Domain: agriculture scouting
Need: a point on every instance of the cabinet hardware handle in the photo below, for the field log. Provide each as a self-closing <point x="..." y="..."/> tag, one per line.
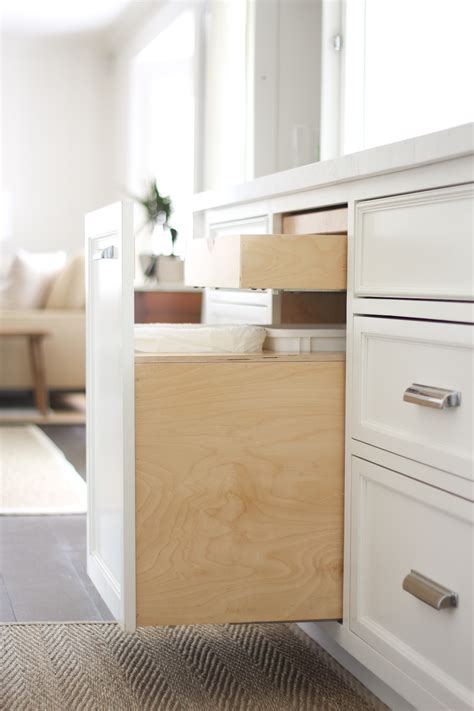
<point x="106" y="253"/>
<point x="425" y="395"/>
<point x="429" y="592"/>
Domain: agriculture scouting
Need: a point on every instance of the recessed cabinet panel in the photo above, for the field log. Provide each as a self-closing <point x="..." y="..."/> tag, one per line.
<point x="417" y="245"/>
<point x="318" y="221"/>
<point x="269" y="262"/>
<point x="411" y="579"/>
<point x="239" y="488"/>
<point x="413" y="390"/>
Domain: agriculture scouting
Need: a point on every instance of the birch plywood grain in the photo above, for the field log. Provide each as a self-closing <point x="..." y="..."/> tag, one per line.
<point x="270" y="262"/>
<point x="239" y="491"/>
<point x="327" y="221"/>
<point x="294" y="262"/>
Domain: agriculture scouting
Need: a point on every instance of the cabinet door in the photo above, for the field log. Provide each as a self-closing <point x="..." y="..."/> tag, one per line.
<point x="110" y="398"/>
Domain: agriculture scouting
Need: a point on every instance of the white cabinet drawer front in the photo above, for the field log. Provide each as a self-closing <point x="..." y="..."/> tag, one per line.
<point x="418" y="245"/>
<point x="400" y="525"/>
<point x="391" y="355"/>
<point x="238" y="306"/>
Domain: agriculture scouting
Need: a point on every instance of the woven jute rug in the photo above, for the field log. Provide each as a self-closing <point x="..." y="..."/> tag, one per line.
<point x="95" y="666"/>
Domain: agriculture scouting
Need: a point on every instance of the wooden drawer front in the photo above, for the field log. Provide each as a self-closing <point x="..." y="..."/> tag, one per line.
<point x="269" y="262"/>
<point x="319" y="221"/>
<point x="418" y="245"/>
<point x="400" y="525"/>
<point x="389" y="356"/>
<point x="239" y="491"/>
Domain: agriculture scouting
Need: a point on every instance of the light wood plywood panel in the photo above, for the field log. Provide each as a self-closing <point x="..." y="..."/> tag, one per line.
<point x="262" y="357"/>
<point x="269" y="262"/>
<point x="239" y="491"/>
<point x="326" y="221"/>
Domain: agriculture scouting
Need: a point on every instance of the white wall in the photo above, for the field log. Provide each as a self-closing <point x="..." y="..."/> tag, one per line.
<point x="56" y="138"/>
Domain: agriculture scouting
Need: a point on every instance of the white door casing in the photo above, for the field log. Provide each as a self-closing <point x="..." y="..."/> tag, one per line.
<point x="110" y="408"/>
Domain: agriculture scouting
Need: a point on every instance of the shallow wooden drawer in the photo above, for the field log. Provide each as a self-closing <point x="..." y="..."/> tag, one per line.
<point x="239" y="488"/>
<point x="269" y="262"/>
<point x="391" y="355"/>
<point x="330" y="221"/>
<point x="401" y="525"/>
<point x="417" y="245"/>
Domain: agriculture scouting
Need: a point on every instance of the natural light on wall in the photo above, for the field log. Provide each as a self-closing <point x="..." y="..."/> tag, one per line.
<point x="162" y="120"/>
<point x="415" y="75"/>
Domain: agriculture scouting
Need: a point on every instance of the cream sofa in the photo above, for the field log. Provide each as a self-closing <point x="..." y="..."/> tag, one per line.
<point x="63" y="317"/>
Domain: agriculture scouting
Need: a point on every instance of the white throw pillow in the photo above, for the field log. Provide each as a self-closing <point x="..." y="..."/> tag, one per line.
<point x="29" y="280"/>
<point x="68" y="289"/>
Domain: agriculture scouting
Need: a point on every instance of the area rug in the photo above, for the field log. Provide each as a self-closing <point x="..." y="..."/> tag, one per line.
<point x="95" y="666"/>
<point x="35" y="476"/>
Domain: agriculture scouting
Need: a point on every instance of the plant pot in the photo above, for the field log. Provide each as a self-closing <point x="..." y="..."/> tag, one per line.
<point x="165" y="269"/>
<point x="170" y="269"/>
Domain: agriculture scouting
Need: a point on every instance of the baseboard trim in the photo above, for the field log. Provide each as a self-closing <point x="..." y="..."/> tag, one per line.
<point x="331" y="636"/>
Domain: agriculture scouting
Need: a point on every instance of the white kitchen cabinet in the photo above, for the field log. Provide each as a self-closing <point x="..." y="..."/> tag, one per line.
<point x="412" y="390"/>
<point x="417" y="245"/>
<point x="408" y="467"/>
<point x="402" y="529"/>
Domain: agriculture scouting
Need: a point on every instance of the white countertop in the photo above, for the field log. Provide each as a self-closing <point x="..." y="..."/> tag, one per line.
<point x="431" y="148"/>
<point x="164" y="286"/>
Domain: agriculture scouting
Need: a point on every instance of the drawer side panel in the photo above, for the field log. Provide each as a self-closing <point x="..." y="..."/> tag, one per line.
<point x="239" y="486"/>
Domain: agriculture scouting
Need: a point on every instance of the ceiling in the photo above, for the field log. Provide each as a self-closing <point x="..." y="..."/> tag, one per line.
<point x="60" y="16"/>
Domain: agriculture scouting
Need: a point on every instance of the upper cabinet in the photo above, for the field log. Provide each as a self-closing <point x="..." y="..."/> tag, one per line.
<point x="310" y="261"/>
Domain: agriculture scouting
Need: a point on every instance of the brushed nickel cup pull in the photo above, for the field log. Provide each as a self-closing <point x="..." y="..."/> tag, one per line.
<point x="428" y="591"/>
<point x="105" y="253"/>
<point x="438" y="398"/>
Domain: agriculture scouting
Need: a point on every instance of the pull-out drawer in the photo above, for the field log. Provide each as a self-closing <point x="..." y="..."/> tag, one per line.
<point x="401" y="369"/>
<point x="411" y="579"/>
<point x="326" y="221"/>
<point x="239" y="488"/>
<point x="215" y="482"/>
<point x="245" y="261"/>
<point x="418" y="245"/>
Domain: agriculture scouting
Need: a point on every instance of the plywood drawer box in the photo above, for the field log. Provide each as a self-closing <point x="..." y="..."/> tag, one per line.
<point x="391" y="356"/>
<point x="418" y="245"/>
<point x="215" y="482"/>
<point x="401" y="525"/>
<point x="326" y="221"/>
<point x="239" y="488"/>
<point x="269" y="262"/>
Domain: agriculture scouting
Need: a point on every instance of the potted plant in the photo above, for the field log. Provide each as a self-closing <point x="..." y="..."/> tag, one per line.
<point x="158" y="210"/>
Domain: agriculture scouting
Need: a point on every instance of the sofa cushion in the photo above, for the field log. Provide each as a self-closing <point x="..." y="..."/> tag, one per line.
<point x="30" y="278"/>
<point x="68" y="289"/>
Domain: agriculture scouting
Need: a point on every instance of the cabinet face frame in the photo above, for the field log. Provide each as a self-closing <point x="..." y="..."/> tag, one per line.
<point x="110" y="408"/>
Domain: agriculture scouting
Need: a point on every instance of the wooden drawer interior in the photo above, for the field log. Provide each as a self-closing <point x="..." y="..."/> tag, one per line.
<point x="326" y="221"/>
<point x="310" y="261"/>
<point x="239" y="488"/>
<point x="314" y="307"/>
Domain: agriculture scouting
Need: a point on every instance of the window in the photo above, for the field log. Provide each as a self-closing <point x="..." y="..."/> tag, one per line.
<point x="162" y="122"/>
<point x="408" y="69"/>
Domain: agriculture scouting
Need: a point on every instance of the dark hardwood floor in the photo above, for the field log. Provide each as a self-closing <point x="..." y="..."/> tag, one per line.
<point x="43" y="574"/>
